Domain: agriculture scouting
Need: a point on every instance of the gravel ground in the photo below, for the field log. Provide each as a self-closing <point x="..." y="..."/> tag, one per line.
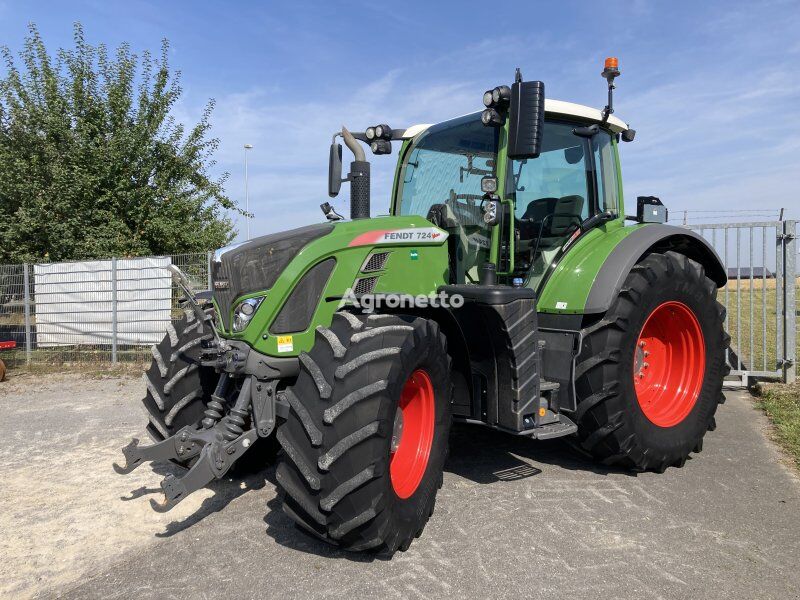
<point x="515" y="518"/>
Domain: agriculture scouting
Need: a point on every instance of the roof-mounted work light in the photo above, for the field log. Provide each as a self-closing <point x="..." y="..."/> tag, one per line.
<point x="496" y="102"/>
<point x="381" y="147"/>
<point x="379" y="138"/>
<point x="383" y="132"/>
<point x="492" y="118"/>
<point x="497" y="98"/>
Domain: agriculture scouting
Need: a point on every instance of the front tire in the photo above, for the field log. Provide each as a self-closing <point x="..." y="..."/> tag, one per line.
<point x="178" y="388"/>
<point x="365" y="441"/>
<point x="177" y="385"/>
<point x="649" y="376"/>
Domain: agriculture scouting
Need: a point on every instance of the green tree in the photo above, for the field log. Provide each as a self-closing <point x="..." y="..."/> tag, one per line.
<point x="92" y="162"/>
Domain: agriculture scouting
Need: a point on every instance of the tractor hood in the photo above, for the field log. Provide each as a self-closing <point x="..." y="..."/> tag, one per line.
<point x="300" y="276"/>
<point x="255" y="265"/>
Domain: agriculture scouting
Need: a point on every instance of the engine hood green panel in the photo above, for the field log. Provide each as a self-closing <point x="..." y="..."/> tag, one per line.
<point x="417" y="263"/>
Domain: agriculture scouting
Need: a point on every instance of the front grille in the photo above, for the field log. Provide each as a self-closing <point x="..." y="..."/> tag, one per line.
<point x="364" y="285"/>
<point x="256" y="265"/>
<point x="375" y="262"/>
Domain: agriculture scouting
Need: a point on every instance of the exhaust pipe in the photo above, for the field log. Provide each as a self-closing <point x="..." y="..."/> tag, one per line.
<point x="359" y="178"/>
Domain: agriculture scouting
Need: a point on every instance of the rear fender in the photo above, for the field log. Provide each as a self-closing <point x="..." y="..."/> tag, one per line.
<point x="642" y="241"/>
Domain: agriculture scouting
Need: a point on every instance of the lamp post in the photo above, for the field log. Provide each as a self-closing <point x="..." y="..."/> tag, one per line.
<point x="246" y="191"/>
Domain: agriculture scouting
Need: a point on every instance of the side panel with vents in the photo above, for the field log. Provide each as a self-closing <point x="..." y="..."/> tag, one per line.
<point x="364" y="285"/>
<point x="375" y="262"/>
<point x="296" y="313"/>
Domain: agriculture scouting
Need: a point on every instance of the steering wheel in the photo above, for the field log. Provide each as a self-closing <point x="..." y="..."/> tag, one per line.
<point x="468" y="213"/>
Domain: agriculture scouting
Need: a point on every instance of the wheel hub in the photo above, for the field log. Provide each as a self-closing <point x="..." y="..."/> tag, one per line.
<point x="669" y="364"/>
<point x="412" y="434"/>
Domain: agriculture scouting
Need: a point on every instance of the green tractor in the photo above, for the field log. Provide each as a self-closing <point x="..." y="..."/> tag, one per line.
<point x="504" y="290"/>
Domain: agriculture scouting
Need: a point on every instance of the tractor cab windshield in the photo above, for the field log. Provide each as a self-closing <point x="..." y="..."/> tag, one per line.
<point x="440" y="179"/>
<point x="573" y="178"/>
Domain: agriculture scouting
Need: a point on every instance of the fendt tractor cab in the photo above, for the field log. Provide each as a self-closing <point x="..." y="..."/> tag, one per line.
<point x="504" y="289"/>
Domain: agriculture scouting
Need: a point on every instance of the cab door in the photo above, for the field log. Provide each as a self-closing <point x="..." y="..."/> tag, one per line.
<point x="552" y="195"/>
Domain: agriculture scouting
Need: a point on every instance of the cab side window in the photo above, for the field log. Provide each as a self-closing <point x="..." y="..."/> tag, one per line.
<point x="605" y="160"/>
<point x="556" y="182"/>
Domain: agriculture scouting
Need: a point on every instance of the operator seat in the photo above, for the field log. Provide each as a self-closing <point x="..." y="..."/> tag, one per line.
<point x="567" y="213"/>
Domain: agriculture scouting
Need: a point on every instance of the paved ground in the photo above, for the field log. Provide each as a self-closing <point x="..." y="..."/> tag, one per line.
<point x="515" y="518"/>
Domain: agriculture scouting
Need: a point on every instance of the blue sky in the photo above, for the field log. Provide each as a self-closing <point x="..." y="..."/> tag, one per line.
<point x="712" y="88"/>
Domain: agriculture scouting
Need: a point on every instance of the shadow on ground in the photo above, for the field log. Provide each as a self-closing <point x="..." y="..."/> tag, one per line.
<point x="479" y="454"/>
<point x="484" y="455"/>
<point x="225" y="491"/>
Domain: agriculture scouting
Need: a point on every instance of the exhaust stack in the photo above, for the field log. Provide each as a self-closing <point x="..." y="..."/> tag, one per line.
<point x="359" y="178"/>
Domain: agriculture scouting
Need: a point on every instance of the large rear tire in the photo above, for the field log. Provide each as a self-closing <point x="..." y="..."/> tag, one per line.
<point x="649" y="377"/>
<point x="366" y="437"/>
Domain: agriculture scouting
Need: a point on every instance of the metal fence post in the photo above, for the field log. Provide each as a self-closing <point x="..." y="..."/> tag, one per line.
<point x="26" y="281"/>
<point x="209" y="258"/>
<point x="114" y="309"/>
<point x="790" y="303"/>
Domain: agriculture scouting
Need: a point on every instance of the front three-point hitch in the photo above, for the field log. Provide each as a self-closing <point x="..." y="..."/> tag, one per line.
<point x="219" y="441"/>
<point x="229" y="428"/>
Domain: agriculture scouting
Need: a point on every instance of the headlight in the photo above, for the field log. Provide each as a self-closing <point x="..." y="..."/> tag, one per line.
<point x="244" y="311"/>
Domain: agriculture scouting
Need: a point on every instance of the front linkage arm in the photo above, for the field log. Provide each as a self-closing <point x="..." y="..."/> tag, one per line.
<point x="219" y="446"/>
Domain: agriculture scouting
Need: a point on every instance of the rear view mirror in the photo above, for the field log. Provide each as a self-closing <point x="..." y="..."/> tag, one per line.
<point x="526" y="119"/>
<point x="335" y="170"/>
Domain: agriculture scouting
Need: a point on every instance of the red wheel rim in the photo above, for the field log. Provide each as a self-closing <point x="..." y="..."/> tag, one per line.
<point x="413" y="434"/>
<point x="668" y="364"/>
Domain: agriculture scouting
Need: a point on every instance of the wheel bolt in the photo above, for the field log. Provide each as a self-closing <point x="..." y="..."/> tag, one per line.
<point x="645" y="365"/>
<point x="646" y="353"/>
<point x="641" y="344"/>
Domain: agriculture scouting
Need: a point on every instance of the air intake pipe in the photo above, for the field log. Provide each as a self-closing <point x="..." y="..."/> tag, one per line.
<point x="359" y="178"/>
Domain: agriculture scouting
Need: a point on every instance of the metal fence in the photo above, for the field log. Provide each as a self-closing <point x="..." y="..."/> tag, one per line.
<point x="760" y="296"/>
<point x="113" y="310"/>
<point x="98" y="311"/>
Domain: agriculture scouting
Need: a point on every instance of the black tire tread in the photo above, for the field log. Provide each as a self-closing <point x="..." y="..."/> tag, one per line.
<point x="603" y="430"/>
<point x="342" y="510"/>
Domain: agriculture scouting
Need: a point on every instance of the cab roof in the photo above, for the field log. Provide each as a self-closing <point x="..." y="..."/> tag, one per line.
<point x="551" y="107"/>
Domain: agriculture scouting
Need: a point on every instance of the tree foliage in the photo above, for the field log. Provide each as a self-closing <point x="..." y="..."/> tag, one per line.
<point x="93" y="163"/>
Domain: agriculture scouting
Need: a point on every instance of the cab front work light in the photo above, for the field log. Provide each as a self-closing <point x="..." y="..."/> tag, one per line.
<point x="244" y="311"/>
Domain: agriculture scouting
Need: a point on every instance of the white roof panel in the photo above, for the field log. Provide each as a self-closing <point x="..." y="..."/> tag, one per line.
<point x="551" y="107"/>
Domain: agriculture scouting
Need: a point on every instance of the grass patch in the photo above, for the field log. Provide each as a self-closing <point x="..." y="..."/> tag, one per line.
<point x="782" y="405"/>
<point x="87" y="370"/>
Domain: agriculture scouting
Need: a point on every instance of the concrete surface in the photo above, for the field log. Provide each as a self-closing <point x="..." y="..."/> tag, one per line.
<point x="515" y="518"/>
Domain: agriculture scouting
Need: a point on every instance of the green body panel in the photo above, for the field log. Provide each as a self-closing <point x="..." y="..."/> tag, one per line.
<point x="411" y="268"/>
<point x="567" y="288"/>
